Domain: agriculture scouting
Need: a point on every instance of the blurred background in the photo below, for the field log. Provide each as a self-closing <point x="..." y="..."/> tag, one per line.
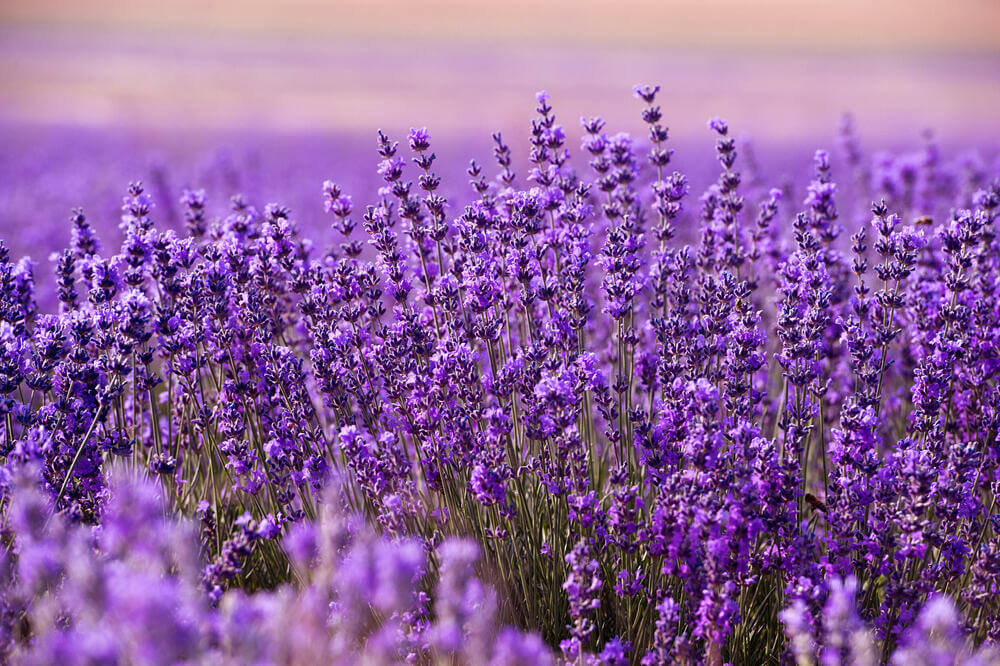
<point x="781" y="69"/>
<point x="275" y="96"/>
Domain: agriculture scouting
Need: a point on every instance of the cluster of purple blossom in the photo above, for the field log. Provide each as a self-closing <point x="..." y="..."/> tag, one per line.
<point x="640" y="427"/>
<point x="131" y="592"/>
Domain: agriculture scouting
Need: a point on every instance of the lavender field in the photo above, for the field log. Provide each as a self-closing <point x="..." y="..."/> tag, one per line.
<point x="585" y="391"/>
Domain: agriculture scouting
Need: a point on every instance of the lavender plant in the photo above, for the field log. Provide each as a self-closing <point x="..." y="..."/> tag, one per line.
<point x="575" y="414"/>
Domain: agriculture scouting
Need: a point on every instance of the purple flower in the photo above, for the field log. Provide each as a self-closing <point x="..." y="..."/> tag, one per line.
<point x="639" y="426"/>
<point x="719" y="126"/>
<point x="419" y="139"/>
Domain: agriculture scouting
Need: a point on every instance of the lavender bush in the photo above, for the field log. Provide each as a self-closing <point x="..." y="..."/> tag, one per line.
<point x="577" y="415"/>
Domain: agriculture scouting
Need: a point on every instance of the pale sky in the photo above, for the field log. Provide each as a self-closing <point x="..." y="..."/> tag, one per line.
<point x="778" y="68"/>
